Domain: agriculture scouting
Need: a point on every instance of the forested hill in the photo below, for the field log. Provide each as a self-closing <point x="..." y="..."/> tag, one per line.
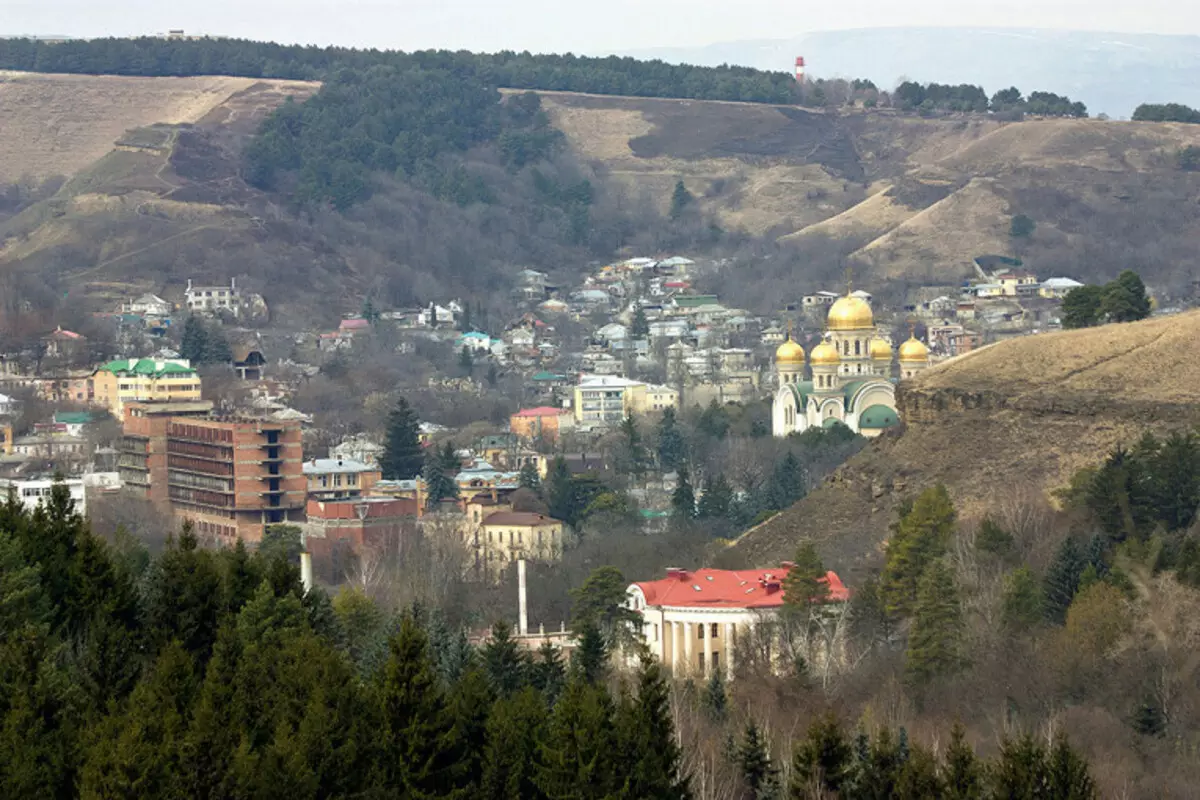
<point x="154" y="57"/>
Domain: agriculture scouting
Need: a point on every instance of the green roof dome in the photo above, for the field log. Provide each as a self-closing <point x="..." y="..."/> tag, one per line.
<point x="878" y="417"/>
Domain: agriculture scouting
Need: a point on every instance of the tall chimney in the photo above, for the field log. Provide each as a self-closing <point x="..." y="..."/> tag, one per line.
<point x="522" y="613"/>
<point x="306" y="578"/>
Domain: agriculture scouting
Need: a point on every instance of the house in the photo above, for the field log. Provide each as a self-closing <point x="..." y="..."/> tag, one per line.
<point x="354" y="326"/>
<point x="51" y="445"/>
<point x="590" y="297"/>
<point x="148" y="305"/>
<point x="475" y="342"/>
<point x="73" y="422"/>
<point x="669" y="329"/>
<point x="603" y="400"/>
<point x="248" y="362"/>
<point x="213" y="299"/>
<point x="8" y="406"/>
<point x="819" y="300"/>
<point x="437" y="316"/>
<point x="612" y="332"/>
<point x="544" y="422"/>
<point x="339" y="478"/>
<point x="1058" y="287"/>
<point x="358" y="448"/>
<point x="554" y="306"/>
<point x="1011" y="282"/>
<point x="692" y="621"/>
<point x="691" y="303"/>
<point x="148" y="380"/>
<point x="65" y="345"/>
<point x="506" y="536"/>
<point x="32" y="491"/>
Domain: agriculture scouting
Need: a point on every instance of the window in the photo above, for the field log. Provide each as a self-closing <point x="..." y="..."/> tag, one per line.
<point x="700" y="633"/>
<point x="714" y="632"/>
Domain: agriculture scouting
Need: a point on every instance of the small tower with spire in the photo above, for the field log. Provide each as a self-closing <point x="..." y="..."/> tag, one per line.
<point x="914" y="355"/>
<point x="789" y="361"/>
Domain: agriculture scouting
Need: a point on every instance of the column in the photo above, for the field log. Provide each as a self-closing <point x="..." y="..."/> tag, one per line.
<point x="727" y="649"/>
<point x="687" y="647"/>
<point x="708" y="632"/>
<point x="676" y="649"/>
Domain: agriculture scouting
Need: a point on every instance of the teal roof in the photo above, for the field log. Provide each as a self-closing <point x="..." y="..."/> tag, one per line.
<point x="878" y="417"/>
<point x="696" y="300"/>
<point x="548" y="376"/>
<point x="72" y="417"/>
<point x="830" y="422"/>
<point x="801" y="390"/>
<point x="145" y="366"/>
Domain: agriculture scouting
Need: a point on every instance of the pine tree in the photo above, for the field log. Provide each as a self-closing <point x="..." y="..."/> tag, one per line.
<point x="717" y="500"/>
<point x="183" y="598"/>
<point x="417" y="735"/>
<point x="216" y="349"/>
<point x="1022" y="607"/>
<point x="935" y="642"/>
<point x="963" y="773"/>
<point x="465" y="361"/>
<point x="194" y="344"/>
<point x="919" y="538"/>
<point x="640" y="328"/>
<point x="1020" y="772"/>
<point x="575" y="757"/>
<point x="648" y="735"/>
<point x="683" y="499"/>
<point x="1062" y="580"/>
<point x="716" y="700"/>
<point x="590" y="659"/>
<point x="1067" y="773"/>
<point x="468" y="704"/>
<point x="529" y="478"/>
<point x="560" y="491"/>
<point x="402" y="458"/>
<point x="681" y="198"/>
<point x="633" y="453"/>
<point x="547" y="674"/>
<point x="504" y="661"/>
<point x="600" y="603"/>
<point x="822" y="759"/>
<point x="753" y="759"/>
<point x="1125" y="299"/>
<point x="514" y="728"/>
<point x="994" y="540"/>
<point x="786" y="485"/>
<point x="439" y="483"/>
<point x="671" y="448"/>
<point x="492" y="377"/>
<point x="806" y="584"/>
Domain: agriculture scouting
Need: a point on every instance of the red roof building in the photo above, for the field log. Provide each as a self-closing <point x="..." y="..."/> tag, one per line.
<point x="692" y="619"/>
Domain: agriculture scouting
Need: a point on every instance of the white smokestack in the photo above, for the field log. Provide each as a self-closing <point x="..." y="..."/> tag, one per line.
<point x="306" y="571"/>
<point x="522" y="613"/>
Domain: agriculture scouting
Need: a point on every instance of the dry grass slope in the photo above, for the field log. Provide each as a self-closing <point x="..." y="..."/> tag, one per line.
<point x="1018" y="417"/>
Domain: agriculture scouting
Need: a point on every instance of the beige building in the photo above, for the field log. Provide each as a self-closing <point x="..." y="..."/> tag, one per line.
<point x="506" y="536"/>
<point x="144" y="380"/>
<point x="604" y="400"/>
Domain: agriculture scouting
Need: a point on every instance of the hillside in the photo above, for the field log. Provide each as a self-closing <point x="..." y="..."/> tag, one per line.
<point x="1015" y="418"/>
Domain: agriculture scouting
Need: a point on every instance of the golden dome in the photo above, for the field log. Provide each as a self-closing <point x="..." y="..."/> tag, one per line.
<point x="850" y="313"/>
<point x="789" y="353"/>
<point x="824" y="353"/>
<point x="914" y="350"/>
<point x="881" y="349"/>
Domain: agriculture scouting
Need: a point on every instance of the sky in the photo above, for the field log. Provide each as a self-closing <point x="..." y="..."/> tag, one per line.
<point x="559" y="26"/>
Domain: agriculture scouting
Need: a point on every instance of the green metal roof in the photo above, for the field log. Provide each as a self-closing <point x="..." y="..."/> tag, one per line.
<point x="548" y="376"/>
<point x="145" y="366"/>
<point x="72" y="417"/>
<point x="801" y="390"/>
<point x="696" y="300"/>
<point x="878" y="417"/>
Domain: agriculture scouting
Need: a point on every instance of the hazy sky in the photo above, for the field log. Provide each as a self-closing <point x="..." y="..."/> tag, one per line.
<point x="555" y="25"/>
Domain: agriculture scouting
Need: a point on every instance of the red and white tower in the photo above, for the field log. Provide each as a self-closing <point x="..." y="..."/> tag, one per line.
<point x="799" y="69"/>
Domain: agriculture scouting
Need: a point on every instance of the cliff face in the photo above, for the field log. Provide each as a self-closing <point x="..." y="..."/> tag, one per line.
<point x="1017" y="417"/>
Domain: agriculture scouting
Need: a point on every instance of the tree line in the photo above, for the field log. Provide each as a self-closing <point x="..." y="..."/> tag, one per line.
<point x="1166" y="112"/>
<point x="1121" y="300"/>
<point x="913" y="96"/>
<point x="150" y="56"/>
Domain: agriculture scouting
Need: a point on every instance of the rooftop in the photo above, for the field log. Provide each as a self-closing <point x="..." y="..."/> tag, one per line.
<point x="722" y="588"/>
<point x="519" y="518"/>
<point x="147" y="366"/>
<point x="540" y="411"/>
<point x="322" y="465"/>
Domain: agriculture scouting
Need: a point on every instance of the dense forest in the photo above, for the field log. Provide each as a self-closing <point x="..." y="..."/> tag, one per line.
<point x="205" y="673"/>
<point x="913" y="96"/>
<point x="569" y="73"/>
<point x="1167" y="112"/>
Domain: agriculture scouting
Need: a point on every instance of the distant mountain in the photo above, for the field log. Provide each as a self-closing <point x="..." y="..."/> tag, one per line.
<point x="1111" y="72"/>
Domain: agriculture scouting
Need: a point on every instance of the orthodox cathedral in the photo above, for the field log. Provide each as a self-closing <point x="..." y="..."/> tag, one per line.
<point x="851" y="375"/>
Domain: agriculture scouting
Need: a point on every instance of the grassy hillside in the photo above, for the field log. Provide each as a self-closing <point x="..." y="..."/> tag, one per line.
<point x="1007" y="423"/>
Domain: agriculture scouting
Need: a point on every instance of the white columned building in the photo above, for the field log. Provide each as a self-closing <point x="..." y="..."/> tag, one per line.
<point x="693" y="620"/>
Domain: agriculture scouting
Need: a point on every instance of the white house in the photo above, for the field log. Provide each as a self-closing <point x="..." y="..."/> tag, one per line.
<point x="7" y="405"/>
<point x="692" y="621"/>
<point x="148" y="305"/>
<point x="475" y="341"/>
<point x="211" y="299"/>
<point x="32" y="491"/>
<point x="1058" y="287"/>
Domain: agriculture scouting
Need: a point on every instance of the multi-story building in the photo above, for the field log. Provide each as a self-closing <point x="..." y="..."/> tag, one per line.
<point x="211" y="299"/>
<point x="339" y="478"/>
<point x="544" y="422"/>
<point x="144" y="380"/>
<point x="602" y="400"/>
<point x="506" y="536"/>
<point x="384" y="524"/>
<point x="230" y="476"/>
<point x="692" y="621"/>
<point x="31" y="491"/>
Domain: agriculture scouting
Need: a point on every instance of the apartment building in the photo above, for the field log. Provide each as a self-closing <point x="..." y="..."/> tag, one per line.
<point x="604" y="400"/>
<point x="230" y="476"/>
<point x="211" y="299"/>
<point x="339" y="478"/>
<point x="144" y="380"/>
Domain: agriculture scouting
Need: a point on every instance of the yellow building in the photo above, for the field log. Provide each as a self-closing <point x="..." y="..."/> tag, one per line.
<point x="506" y="536"/>
<point x="144" y="380"/>
<point x="607" y="399"/>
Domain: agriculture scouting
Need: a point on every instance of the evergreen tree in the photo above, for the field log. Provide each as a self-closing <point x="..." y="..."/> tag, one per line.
<point x="717" y="500"/>
<point x="936" y="640"/>
<point x="590" y="659"/>
<point x="465" y="361"/>
<point x="919" y="538"/>
<point x="681" y="198"/>
<point x="716" y="701"/>
<point x="963" y="776"/>
<point x="648" y="735"/>
<point x="1118" y="495"/>
<point x="753" y="759"/>
<point x="216" y="349"/>
<point x="182" y="596"/>
<point x="1020" y="772"/>
<point x="439" y="483"/>
<point x="600" y="603"/>
<point x="1022" y="607"/>
<point x="560" y="491"/>
<point x="683" y="499"/>
<point x="504" y="661"/>
<point x="468" y="705"/>
<point x="1149" y="720"/>
<point x="640" y="328"/>
<point x="786" y="485"/>
<point x="994" y="540"/>
<point x="529" y="478"/>
<point x="575" y="757"/>
<point x="671" y="448"/>
<point x="402" y="457"/>
<point x="1062" y="580"/>
<point x="1081" y="307"/>
<point x="514" y="728"/>
<point x="194" y="343"/>
<point x="822" y="759"/>
<point x="1125" y="299"/>
<point x="547" y="673"/>
<point x="714" y="421"/>
<point x="806" y="584"/>
<point x="492" y="377"/>
<point x="1067" y="773"/>
<point x="633" y="453"/>
<point x="417" y="737"/>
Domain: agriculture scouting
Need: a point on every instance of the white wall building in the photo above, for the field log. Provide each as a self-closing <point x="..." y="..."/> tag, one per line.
<point x="31" y="491"/>
<point x="211" y="299"/>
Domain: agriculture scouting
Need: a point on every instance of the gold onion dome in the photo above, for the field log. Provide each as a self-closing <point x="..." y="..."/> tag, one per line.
<point x="824" y="353"/>
<point x="789" y="353"/>
<point x="850" y="313"/>
<point x="881" y="349"/>
<point x="914" y="350"/>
